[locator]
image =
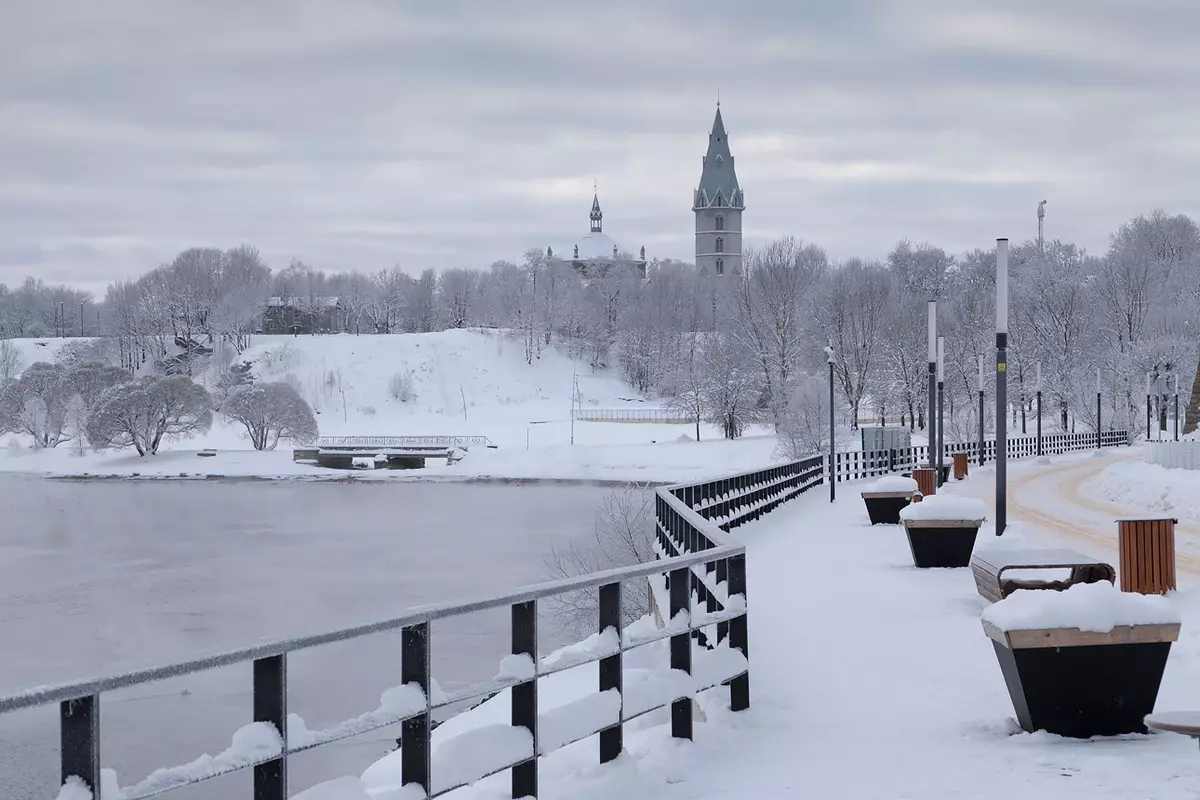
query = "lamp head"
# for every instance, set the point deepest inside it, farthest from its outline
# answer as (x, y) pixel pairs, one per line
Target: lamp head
(829, 354)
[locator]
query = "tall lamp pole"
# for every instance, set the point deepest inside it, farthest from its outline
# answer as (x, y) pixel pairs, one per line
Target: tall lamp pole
(832, 446)
(941, 427)
(1001, 385)
(1148, 379)
(1176, 377)
(931, 427)
(1098, 426)
(1039, 409)
(981, 358)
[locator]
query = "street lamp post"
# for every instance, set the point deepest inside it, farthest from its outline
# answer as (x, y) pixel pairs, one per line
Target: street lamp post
(1148, 379)
(931, 427)
(1099, 428)
(941, 419)
(1039, 409)
(832, 443)
(1001, 385)
(981, 359)
(1176, 377)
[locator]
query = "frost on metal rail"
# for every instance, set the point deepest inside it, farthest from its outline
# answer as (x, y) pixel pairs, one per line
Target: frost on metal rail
(725, 664)
(403, 441)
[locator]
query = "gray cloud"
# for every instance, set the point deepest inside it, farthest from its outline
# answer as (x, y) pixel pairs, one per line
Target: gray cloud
(455, 133)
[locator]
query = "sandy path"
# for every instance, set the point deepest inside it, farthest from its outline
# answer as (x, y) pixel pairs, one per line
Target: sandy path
(1049, 497)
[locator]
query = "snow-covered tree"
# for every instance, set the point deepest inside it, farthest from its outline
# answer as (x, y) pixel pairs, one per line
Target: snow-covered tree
(143, 412)
(75, 426)
(622, 537)
(270, 412)
(34, 419)
(772, 311)
(805, 428)
(10, 360)
(42, 420)
(732, 387)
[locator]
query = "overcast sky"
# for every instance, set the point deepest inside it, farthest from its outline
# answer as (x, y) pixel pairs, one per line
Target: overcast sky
(361, 134)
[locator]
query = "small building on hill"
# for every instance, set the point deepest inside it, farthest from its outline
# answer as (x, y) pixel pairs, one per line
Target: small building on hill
(303, 315)
(595, 253)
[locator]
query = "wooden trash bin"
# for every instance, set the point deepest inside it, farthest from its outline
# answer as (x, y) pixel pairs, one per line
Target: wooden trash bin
(926, 478)
(960, 465)
(1147, 555)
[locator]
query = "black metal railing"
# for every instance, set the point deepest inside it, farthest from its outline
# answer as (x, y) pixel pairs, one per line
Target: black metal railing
(79, 703)
(725, 502)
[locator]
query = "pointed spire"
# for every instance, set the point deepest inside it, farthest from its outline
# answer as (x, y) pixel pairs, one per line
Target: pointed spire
(718, 181)
(597, 217)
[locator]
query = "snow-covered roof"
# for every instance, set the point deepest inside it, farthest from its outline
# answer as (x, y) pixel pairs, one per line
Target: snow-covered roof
(593, 246)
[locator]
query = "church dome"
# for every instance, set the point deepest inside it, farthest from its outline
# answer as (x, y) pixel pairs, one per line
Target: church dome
(596, 245)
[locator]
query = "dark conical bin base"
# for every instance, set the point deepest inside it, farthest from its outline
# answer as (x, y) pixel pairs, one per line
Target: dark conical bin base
(885, 510)
(1100, 690)
(941, 547)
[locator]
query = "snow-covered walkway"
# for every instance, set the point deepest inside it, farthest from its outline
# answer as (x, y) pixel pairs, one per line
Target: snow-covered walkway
(872, 679)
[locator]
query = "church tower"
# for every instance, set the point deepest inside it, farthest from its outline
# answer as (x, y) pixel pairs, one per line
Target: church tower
(718, 205)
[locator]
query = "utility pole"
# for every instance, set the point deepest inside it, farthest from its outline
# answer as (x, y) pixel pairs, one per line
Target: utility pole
(1001, 385)
(1041, 218)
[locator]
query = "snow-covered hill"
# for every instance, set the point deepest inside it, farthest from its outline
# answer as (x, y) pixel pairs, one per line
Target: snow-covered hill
(462, 382)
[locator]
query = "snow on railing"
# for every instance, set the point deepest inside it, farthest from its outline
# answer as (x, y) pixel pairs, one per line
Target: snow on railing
(662, 415)
(403, 441)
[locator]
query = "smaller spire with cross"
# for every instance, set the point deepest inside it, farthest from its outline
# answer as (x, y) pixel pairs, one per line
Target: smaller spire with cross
(597, 217)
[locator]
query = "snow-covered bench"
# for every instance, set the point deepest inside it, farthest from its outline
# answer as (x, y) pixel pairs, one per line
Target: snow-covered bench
(1000, 572)
(1186, 723)
(344, 457)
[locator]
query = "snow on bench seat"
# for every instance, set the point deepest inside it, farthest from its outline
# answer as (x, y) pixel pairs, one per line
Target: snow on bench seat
(947, 508)
(890, 484)
(1084, 614)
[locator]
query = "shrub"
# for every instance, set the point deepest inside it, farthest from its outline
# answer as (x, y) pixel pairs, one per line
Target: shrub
(400, 387)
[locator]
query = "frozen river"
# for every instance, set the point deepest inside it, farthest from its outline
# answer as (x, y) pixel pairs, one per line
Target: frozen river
(102, 577)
